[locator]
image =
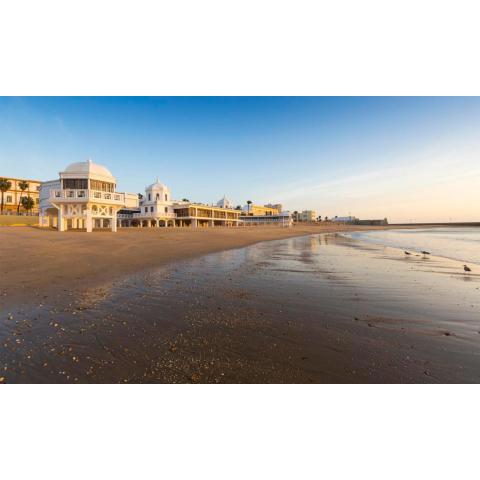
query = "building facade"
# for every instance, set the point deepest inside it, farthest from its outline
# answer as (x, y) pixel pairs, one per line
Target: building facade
(158, 209)
(12, 197)
(281, 219)
(307, 216)
(84, 197)
(259, 210)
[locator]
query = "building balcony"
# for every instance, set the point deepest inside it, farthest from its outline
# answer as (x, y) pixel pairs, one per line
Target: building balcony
(153, 215)
(67, 195)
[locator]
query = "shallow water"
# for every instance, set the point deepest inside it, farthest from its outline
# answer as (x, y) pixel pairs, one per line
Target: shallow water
(456, 243)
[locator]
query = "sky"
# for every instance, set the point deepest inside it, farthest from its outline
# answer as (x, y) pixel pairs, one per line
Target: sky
(410, 159)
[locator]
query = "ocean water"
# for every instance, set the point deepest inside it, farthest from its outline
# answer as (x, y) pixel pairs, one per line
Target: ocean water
(461, 244)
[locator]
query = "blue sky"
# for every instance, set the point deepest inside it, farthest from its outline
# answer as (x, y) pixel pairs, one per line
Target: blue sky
(404, 158)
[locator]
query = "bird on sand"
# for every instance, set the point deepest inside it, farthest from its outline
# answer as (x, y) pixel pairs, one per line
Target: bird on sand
(425, 253)
(467, 269)
(407, 253)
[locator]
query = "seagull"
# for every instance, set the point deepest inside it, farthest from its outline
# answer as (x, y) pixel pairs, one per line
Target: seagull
(407, 253)
(425, 253)
(467, 269)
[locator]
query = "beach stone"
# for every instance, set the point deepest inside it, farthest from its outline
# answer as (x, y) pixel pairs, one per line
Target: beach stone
(195, 377)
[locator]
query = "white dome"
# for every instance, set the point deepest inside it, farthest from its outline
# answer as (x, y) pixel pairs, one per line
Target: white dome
(224, 203)
(88, 167)
(157, 185)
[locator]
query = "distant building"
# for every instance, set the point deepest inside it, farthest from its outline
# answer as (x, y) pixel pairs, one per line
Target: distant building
(307, 216)
(276, 206)
(258, 210)
(356, 221)
(12, 197)
(349, 219)
(372, 222)
(224, 202)
(281, 219)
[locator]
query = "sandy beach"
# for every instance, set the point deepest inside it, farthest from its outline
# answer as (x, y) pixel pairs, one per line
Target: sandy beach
(301, 305)
(36, 262)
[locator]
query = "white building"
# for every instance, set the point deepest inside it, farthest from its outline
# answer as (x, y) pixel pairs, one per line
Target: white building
(158, 209)
(224, 202)
(84, 197)
(154, 209)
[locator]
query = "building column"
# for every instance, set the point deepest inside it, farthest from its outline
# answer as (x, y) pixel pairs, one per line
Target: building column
(194, 222)
(89, 222)
(114, 221)
(61, 224)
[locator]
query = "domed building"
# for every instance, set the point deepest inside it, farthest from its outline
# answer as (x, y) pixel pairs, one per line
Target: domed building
(84, 197)
(224, 203)
(155, 209)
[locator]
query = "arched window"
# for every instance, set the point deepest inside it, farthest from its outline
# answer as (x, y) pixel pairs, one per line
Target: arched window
(166, 197)
(158, 196)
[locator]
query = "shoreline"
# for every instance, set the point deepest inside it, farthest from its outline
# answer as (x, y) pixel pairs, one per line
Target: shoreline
(39, 264)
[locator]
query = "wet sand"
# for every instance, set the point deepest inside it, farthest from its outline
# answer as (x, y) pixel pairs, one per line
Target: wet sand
(312, 309)
(37, 263)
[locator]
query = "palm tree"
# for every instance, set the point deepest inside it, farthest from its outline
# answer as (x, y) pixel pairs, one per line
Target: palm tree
(249, 202)
(27, 203)
(5, 185)
(22, 185)
(185, 200)
(140, 196)
(238, 207)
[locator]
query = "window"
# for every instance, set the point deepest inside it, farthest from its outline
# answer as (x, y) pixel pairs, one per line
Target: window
(102, 186)
(166, 197)
(36, 201)
(9, 199)
(76, 184)
(158, 196)
(149, 197)
(166, 210)
(151, 209)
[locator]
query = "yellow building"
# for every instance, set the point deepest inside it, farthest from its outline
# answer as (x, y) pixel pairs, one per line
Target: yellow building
(256, 210)
(308, 216)
(12, 197)
(198, 215)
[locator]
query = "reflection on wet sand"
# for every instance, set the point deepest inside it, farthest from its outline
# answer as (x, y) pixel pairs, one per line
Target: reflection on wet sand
(320, 308)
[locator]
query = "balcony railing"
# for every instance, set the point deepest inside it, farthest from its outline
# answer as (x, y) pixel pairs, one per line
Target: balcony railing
(153, 215)
(86, 195)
